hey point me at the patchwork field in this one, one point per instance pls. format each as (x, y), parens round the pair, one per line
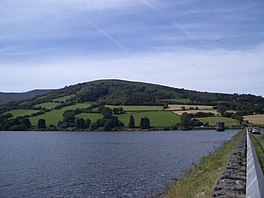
(174, 107)
(138, 108)
(178, 100)
(196, 111)
(92, 116)
(47, 105)
(63, 99)
(21, 112)
(156, 118)
(255, 119)
(213, 120)
(53, 117)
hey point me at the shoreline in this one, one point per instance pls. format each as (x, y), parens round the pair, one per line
(192, 181)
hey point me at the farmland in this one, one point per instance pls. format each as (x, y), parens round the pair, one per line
(157, 119)
(62, 99)
(255, 119)
(213, 120)
(138, 108)
(196, 111)
(53, 117)
(47, 105)
(177, 100)
(92, 116)
(21, 112)
(176, 107)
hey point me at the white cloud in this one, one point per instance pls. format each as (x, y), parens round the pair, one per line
(217, 70)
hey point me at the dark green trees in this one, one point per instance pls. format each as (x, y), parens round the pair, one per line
(107, 112)
(144, 123)
(41, 124)
(131, 123)
(80, 123)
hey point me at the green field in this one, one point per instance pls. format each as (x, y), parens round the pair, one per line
(157, 119)
(92, 116)
(63, 99)
(138, 108)
(258, 142)
(196, 111)
(53, 117)
(255, 119)
(178, 107)
(47, 105)
(177, 100)
(21, 112)
(213, 120)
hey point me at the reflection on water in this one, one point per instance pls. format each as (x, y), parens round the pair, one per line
(112, 164)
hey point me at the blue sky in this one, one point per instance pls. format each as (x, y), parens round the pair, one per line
(207, 45)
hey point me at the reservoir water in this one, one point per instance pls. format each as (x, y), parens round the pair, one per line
(105, 164)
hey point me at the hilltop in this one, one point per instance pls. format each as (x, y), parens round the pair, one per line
(7, 97)
(93, 105)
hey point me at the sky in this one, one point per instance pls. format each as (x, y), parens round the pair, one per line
(205, 45)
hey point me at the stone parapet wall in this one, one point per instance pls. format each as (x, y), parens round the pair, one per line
(233, 181)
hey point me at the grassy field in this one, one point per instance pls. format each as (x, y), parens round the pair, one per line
(196, 111)
(47, 105)
(200, 181)
(255, 119)
(157, 119)
(21, 112)
(138, 108)
(92, 116)
(53, 117)
(63, 99)
(259, 146)
(213, 120)
(177, 100)
(174, 107)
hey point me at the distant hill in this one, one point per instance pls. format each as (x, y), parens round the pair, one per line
(89, 106)
(7, 97)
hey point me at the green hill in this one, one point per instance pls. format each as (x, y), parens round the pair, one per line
(87, 100)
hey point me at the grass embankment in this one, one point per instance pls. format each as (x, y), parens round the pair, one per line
(200, 181)
(258, 142)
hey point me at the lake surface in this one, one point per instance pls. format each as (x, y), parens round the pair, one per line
(105, 164)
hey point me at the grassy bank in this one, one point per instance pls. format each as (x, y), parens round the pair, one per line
(258, 142)
(200, 181)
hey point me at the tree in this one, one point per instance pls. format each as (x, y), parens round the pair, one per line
(41, 124)
(87, 123)
(26, 122)
(131, 122)
(118, 111)
(80, 123)
(185, 120)
(68, 116)
(144, 123)
(107, 112)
